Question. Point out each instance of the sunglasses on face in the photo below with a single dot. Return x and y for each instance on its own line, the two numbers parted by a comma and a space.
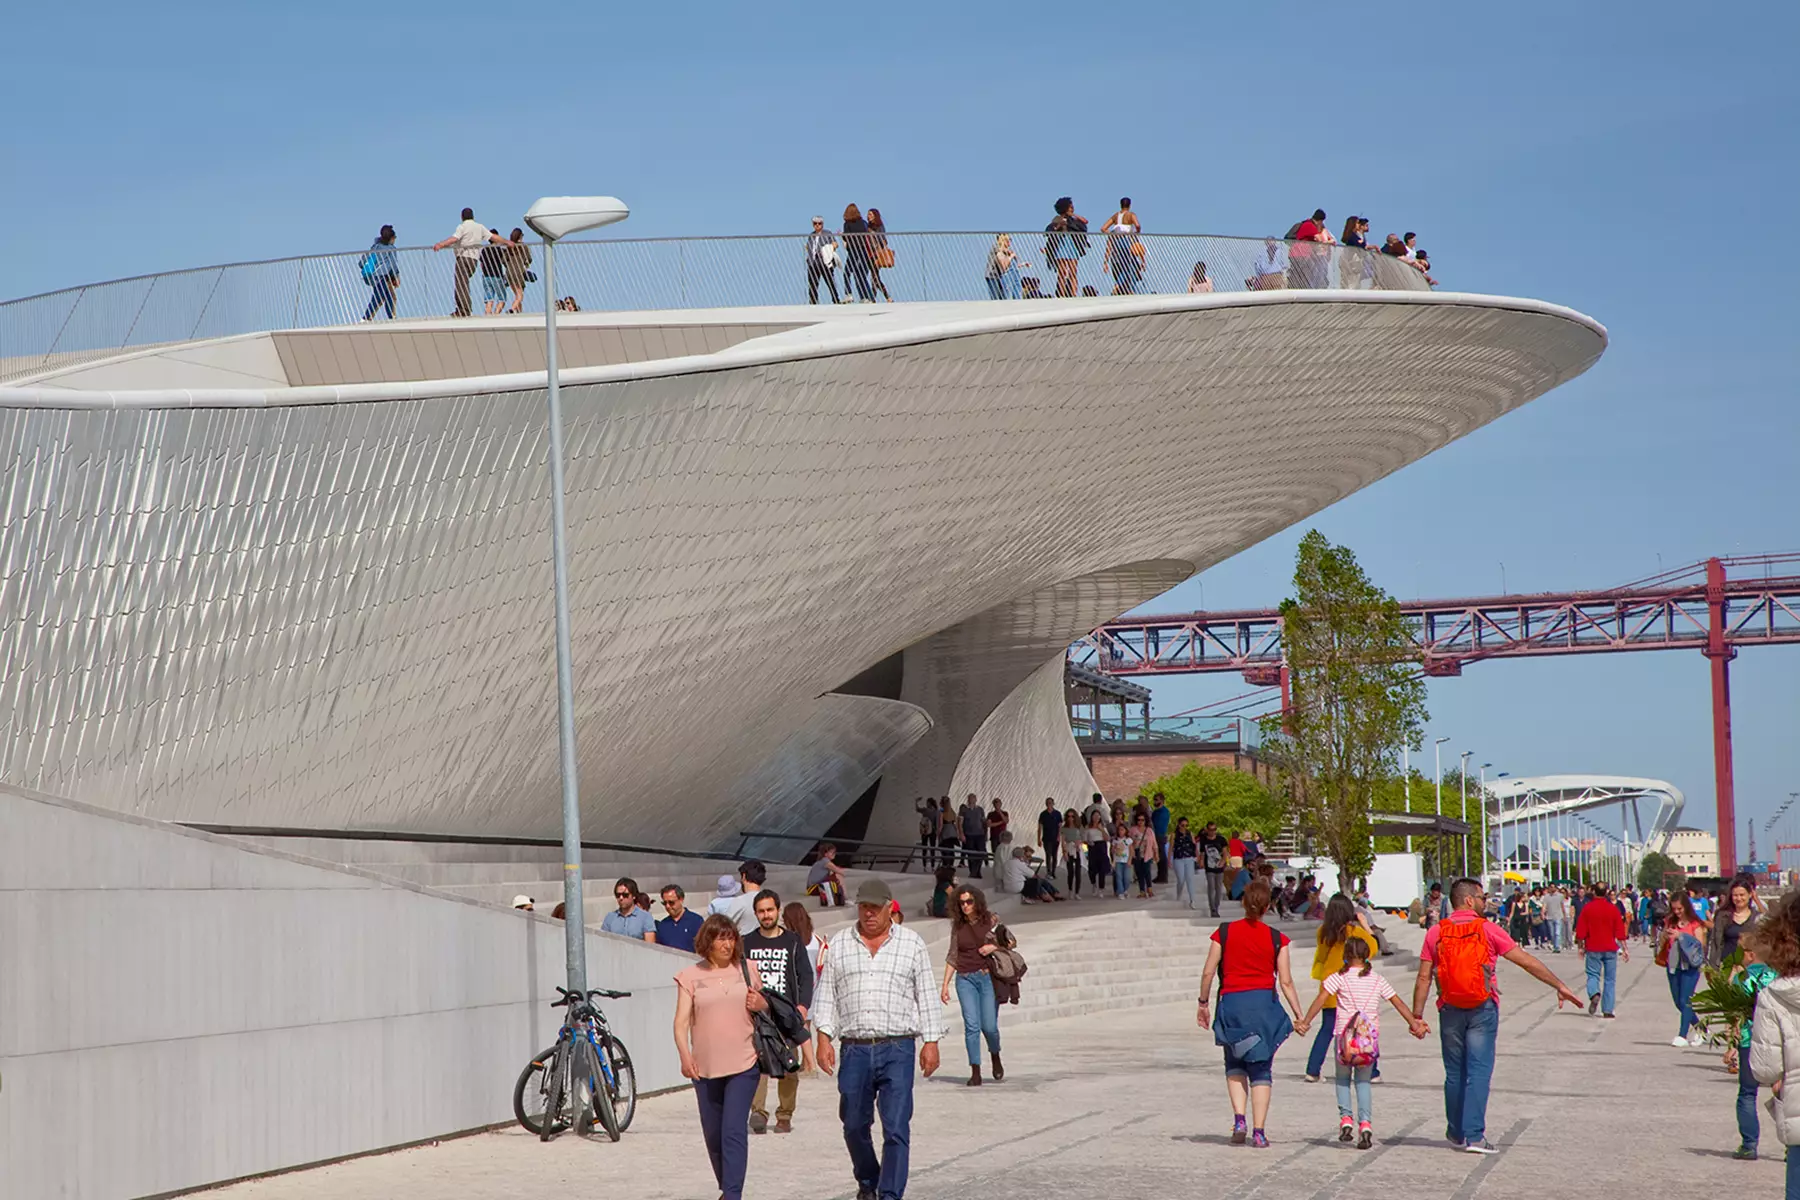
623, 896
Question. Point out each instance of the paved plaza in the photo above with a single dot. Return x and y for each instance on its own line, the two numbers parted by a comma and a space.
1134, 1104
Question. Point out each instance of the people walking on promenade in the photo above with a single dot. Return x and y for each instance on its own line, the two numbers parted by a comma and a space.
974, 834
1182, 851
780, 958
1099, 853
1050, 823
943, 894
1214, 849
928, 831
1143, 854
381, 271
1751, 979
1556, 913
1600, 931
949, 833
518, 270
1072, 840
972, 940
821, 261
1065, 245
680, 924
876, 998
857, 260
469, 238
1160, 821
797, 920
1774, 1056
630, 920
1336, 932
1249, 958
881, 255
1121, 860
1682, 952
1003, 264
1736, 917
713, 1002
1461, 954
1357, 992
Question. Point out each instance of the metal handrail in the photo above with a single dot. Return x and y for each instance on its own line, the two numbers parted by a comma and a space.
99, 320
857, 849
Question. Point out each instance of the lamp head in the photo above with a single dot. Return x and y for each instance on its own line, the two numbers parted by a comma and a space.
556, 217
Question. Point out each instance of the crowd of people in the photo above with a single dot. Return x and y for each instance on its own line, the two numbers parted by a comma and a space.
875, 1003
858, 250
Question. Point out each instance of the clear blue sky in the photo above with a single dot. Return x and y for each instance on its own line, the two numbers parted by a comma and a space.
1633, 160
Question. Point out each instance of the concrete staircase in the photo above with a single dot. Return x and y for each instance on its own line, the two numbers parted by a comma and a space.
1086, 955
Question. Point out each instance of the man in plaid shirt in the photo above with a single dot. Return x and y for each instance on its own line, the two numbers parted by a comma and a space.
878, 998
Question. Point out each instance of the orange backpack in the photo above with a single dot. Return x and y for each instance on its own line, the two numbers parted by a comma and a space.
1465, 964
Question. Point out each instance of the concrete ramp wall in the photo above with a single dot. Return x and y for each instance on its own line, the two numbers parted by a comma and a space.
179, 1009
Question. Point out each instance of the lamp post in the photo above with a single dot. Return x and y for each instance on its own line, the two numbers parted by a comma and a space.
552, 218
1464, 812
1406, 786
1437, 795
1484, 824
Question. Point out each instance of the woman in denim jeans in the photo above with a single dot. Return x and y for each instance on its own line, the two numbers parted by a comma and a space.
1003, 269
1685, 939
972, 935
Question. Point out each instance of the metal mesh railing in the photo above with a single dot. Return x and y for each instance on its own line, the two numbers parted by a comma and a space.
75, 325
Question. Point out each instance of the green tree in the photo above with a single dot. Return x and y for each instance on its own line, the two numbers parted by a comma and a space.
1357, 697
1234, 799
1657, 870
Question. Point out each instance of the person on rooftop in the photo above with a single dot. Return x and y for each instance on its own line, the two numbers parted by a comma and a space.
1124, 250
1065, 245
469, 237
821, 261
382, 272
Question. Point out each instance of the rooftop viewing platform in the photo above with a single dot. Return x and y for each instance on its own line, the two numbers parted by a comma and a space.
82, 324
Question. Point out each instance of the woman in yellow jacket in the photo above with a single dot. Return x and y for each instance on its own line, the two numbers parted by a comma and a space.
1340, 924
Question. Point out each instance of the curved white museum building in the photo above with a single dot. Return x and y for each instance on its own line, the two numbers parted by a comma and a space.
268, 568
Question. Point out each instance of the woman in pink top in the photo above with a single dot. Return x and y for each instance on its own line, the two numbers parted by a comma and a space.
713, 1002
1359, 992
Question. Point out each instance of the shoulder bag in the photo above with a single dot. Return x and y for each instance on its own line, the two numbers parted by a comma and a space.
771, 1032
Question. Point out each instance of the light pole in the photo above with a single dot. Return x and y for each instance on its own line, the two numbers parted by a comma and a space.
1464, 812
1406, 785
1484, 825
552, 218
1437, 795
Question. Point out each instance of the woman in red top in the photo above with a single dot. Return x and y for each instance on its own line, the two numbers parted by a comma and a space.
1250, 958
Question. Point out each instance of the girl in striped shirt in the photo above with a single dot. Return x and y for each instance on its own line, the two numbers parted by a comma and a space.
1359, 993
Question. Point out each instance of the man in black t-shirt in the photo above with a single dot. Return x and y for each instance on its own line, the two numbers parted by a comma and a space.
1050, 834
1213, 848
781, 959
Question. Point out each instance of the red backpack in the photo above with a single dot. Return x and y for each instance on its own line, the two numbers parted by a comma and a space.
1465, 964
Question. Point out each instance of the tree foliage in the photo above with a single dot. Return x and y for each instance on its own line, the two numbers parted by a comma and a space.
1656, 870
1234, 799
1357, 698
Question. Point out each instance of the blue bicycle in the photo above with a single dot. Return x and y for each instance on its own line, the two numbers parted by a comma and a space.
586, 1079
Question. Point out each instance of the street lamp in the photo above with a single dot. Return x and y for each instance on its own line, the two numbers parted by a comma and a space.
1484, 825
552, 218
1437, 797
1464, 813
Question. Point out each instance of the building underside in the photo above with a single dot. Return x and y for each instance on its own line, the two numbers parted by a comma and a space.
301, 580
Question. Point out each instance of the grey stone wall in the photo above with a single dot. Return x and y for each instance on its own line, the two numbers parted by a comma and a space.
178, 1009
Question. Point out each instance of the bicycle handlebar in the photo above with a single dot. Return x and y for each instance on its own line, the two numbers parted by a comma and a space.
568, 996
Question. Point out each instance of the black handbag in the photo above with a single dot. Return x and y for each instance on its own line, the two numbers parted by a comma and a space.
770, 1031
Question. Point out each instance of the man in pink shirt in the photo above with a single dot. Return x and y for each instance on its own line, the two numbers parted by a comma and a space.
1469, 1008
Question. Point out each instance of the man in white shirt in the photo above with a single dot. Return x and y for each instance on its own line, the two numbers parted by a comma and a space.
879, 998
468, 238
737, 896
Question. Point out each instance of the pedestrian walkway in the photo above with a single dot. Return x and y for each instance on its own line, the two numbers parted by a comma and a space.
1094, 1104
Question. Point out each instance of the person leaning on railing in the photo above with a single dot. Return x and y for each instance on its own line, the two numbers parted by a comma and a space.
468, 238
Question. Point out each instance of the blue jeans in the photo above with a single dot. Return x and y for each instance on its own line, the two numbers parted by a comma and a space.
981, 1013
1121, 878
381, 292
1184, 881
873, 1079
1467, 1037
1365, 1100
1749, 1126
858, 273
1681, 989
1556, 937
1005, 286
1602, 973
1322, 1041
1792, 1191
724, 1124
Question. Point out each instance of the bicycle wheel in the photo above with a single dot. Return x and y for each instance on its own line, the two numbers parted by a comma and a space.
624, 1083
556, 1094
531, 1093
592, 1095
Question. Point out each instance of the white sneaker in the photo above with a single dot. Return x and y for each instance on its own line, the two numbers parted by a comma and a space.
1697, 1040
1680, 1041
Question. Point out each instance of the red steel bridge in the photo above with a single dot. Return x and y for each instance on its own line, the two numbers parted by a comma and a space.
1715, 607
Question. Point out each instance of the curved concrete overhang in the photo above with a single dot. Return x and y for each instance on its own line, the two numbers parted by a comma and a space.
1540, 797
328, 606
